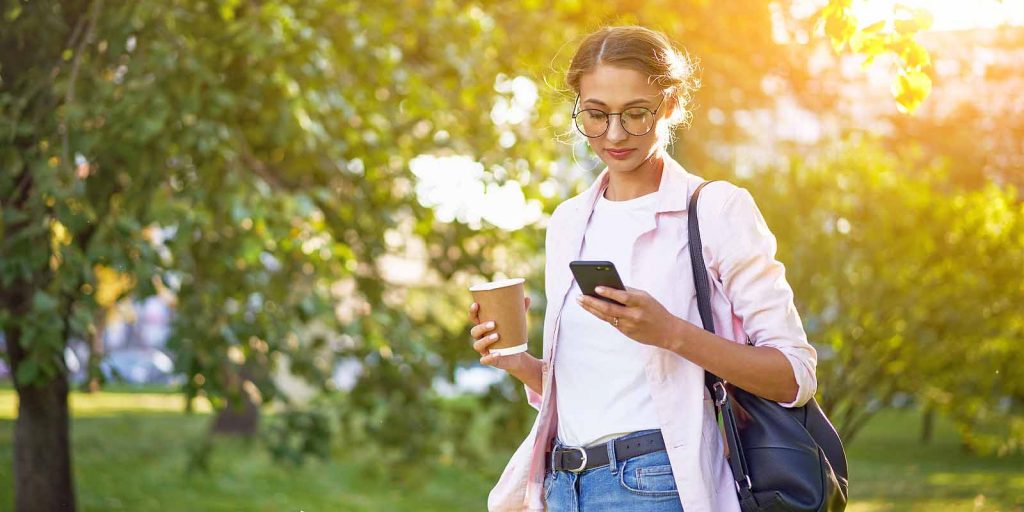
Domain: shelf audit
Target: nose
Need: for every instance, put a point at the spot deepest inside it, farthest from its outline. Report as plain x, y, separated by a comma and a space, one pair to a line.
616, 133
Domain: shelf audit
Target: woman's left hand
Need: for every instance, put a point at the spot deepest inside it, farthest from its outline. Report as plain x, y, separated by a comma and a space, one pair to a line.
641, 317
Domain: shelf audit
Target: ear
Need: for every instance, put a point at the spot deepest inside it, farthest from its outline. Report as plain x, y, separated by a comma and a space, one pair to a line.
671, 103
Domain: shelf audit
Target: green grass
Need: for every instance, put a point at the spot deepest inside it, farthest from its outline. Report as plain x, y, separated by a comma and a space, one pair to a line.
891, 471
131, 450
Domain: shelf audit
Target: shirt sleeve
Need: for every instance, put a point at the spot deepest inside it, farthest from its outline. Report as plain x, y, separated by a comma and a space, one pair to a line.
755, 283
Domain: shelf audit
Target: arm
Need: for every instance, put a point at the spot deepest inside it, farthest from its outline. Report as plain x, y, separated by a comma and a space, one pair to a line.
763, 371
530, 374
742, 251
782, 363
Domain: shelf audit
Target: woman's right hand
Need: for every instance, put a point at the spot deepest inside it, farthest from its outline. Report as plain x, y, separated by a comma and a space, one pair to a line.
484, 335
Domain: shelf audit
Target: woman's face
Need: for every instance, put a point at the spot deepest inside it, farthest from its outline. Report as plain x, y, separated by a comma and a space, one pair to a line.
614, 89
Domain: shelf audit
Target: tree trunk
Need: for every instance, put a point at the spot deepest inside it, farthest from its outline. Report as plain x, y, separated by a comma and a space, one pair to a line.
42, 449
237, 419
927, 424
241, 415
96, 350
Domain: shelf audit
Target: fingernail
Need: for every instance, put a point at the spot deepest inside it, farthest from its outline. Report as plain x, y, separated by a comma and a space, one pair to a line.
494, 336
490, 325
599, 289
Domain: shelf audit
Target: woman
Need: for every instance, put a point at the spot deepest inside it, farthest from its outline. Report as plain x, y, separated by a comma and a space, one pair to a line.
624, 420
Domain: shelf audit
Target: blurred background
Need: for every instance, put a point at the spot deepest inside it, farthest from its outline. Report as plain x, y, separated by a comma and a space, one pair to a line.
236, 236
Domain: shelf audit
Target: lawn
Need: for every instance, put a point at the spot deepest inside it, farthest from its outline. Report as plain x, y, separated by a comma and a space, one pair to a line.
131, 451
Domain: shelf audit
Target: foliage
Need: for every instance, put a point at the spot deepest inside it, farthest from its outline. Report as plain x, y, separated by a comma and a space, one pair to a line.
249, 159
295, 434
909, 286
895, 37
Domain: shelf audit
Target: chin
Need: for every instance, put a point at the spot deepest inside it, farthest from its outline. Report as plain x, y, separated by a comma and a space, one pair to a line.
620, 166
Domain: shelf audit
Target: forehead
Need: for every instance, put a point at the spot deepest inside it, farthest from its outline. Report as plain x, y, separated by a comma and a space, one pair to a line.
615, 86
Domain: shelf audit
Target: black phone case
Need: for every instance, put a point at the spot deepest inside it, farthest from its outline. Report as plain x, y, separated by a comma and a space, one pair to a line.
591, 274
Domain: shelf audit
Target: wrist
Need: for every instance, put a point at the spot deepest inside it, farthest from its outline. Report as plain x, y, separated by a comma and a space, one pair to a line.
525, 365
679, 335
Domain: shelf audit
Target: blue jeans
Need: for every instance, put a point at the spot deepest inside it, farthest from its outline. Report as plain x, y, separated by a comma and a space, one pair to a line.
639, 484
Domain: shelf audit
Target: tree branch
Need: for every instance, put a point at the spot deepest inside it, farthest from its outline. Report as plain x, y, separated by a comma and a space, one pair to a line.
69, 95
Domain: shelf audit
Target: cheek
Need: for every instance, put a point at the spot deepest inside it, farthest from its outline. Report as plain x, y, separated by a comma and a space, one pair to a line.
647, 142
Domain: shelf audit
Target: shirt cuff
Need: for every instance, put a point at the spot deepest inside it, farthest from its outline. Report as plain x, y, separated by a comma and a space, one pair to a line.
806, 382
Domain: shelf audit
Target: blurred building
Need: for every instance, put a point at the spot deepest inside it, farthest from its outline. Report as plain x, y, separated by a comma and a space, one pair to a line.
974, 114
143, 323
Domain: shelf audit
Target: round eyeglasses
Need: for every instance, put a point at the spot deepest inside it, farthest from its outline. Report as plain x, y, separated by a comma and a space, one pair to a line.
636, 121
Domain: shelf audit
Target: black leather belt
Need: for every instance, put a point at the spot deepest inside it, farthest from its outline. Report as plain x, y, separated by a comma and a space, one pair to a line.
577, 459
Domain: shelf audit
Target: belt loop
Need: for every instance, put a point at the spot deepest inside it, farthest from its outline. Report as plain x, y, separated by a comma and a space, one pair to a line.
613, 462
554, 450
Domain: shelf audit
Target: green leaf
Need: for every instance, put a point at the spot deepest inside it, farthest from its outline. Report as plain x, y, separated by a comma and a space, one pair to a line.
868, 44
28, 371
840, 26
911, 20
915, 56
43, 303
910, 88
13, 12
874, 27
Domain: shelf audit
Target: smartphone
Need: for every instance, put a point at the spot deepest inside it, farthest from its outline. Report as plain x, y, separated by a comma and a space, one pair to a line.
591, 274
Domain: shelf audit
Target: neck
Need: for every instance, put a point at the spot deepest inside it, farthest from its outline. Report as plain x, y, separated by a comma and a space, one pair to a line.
643, 180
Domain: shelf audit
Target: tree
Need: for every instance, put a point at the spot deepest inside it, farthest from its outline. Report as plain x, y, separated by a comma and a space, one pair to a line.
254, 158
885, 260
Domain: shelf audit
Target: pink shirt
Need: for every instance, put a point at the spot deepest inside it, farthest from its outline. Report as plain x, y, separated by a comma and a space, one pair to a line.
750, 297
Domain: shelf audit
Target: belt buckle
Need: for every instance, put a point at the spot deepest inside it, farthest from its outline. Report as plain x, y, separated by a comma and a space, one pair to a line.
583, 455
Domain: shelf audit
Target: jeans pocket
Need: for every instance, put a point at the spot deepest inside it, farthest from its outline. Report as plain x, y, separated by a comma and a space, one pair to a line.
648, 476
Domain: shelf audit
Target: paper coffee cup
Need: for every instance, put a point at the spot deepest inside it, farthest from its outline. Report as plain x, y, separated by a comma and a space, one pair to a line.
503, 302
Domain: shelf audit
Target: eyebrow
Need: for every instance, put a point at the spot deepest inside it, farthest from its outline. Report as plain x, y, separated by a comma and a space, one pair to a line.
633, 102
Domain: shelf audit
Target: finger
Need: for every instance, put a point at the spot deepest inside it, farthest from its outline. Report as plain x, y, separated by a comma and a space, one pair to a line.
482, 344
621, 296
528, 301
598, 314
480, 329
474, 313
603, 309
590, 307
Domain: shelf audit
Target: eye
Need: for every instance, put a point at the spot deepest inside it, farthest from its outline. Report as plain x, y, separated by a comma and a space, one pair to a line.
636, 114
596, 115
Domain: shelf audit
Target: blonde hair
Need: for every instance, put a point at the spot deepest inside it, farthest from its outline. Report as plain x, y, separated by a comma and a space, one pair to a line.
643, 50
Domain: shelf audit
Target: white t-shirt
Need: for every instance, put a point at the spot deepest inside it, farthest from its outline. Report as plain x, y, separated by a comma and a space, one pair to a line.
602, 386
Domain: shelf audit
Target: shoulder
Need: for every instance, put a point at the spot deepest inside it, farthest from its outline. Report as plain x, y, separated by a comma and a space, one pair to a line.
566, 207
729, 218
720, 200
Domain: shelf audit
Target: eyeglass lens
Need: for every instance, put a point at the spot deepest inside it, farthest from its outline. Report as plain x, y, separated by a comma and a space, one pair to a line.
594, 123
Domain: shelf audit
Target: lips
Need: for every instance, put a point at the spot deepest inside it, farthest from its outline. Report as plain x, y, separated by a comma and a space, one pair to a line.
619, 154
